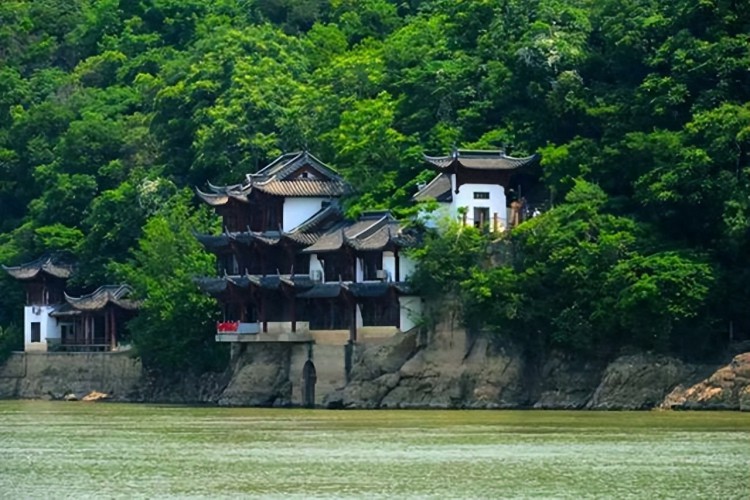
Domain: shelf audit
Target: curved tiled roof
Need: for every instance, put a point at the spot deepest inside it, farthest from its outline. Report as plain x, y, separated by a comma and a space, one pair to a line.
211, 242
215, 286
372, 231
303, 187
368, 289
103, 296
438, 189
307, 233
321, 291
481, 160
288, 163
276, 180
49, 264
303, 287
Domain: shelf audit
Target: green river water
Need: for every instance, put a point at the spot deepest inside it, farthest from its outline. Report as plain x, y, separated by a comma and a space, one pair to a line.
85, 450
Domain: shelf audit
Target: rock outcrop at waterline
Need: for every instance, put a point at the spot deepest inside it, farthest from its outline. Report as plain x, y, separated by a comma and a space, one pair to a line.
450, 369
452, 372
728, 388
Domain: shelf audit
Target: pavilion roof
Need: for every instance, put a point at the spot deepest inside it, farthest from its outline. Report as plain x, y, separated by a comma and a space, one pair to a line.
367, 289
52, 265
321, 291
302, 285
103, 296
371, 231
292, 174
481, 160
306, 233
438, 189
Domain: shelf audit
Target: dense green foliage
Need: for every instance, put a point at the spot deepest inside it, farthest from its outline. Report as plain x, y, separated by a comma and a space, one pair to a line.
104, 102
170, 331
580, 279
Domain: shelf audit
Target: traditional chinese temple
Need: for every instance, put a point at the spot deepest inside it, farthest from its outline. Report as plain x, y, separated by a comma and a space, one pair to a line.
485, 189
54, 320
292, 268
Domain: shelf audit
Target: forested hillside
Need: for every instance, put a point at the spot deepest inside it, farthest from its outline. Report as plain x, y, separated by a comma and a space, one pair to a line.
110, 109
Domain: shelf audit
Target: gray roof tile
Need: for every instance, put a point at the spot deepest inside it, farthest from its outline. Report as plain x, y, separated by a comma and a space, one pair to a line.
481, 160
52, 265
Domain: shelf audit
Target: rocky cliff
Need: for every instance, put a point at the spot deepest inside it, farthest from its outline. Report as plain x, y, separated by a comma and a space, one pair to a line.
450, 369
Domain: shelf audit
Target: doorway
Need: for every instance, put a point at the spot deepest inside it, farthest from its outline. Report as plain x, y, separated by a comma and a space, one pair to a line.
309, 377
481, 217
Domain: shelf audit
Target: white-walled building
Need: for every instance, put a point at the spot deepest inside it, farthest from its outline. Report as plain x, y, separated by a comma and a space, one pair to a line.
478, 188
55, 320
292, 268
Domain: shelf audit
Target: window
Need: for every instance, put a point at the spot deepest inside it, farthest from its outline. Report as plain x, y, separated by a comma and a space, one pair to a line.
36, 331
481, 195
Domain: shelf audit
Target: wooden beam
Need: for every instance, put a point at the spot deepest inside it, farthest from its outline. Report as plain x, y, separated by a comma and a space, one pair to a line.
397, 278
113, 337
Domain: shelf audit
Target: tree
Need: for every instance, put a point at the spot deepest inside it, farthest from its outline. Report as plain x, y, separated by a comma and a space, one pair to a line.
174, 328
445, 259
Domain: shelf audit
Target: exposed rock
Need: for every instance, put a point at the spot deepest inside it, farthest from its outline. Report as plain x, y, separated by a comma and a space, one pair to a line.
449, 373
567, 382
494, 376
638, 381
386, 358
260, 378
451, 370
728, 388
183, 388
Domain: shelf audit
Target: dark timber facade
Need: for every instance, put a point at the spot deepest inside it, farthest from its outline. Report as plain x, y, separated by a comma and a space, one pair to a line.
292, 268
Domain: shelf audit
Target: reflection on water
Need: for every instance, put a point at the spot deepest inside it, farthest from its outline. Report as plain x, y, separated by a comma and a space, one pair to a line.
144, 451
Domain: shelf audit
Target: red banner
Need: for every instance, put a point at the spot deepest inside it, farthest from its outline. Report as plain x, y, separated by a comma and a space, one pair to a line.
227, 326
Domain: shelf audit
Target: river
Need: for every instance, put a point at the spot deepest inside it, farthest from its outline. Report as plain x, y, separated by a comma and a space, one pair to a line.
95, 450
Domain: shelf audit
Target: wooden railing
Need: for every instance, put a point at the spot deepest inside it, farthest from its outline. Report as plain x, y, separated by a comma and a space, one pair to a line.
82, 347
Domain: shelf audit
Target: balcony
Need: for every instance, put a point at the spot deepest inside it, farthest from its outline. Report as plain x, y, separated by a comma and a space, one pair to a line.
271, 331
236, 327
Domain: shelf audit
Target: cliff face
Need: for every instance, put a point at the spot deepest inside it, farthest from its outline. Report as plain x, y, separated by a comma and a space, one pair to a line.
453, 372
448, 370
54, 375
728, 388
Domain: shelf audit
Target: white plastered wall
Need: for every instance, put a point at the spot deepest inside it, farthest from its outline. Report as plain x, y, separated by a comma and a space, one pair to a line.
465, 198
360, 275
389, 265
48, 327
316, 266
298, 210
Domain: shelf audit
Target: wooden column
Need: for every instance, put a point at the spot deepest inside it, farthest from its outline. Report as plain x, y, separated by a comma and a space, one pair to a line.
397, 278
113, 330
294, 313
107, 325
262, 312
352, 303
